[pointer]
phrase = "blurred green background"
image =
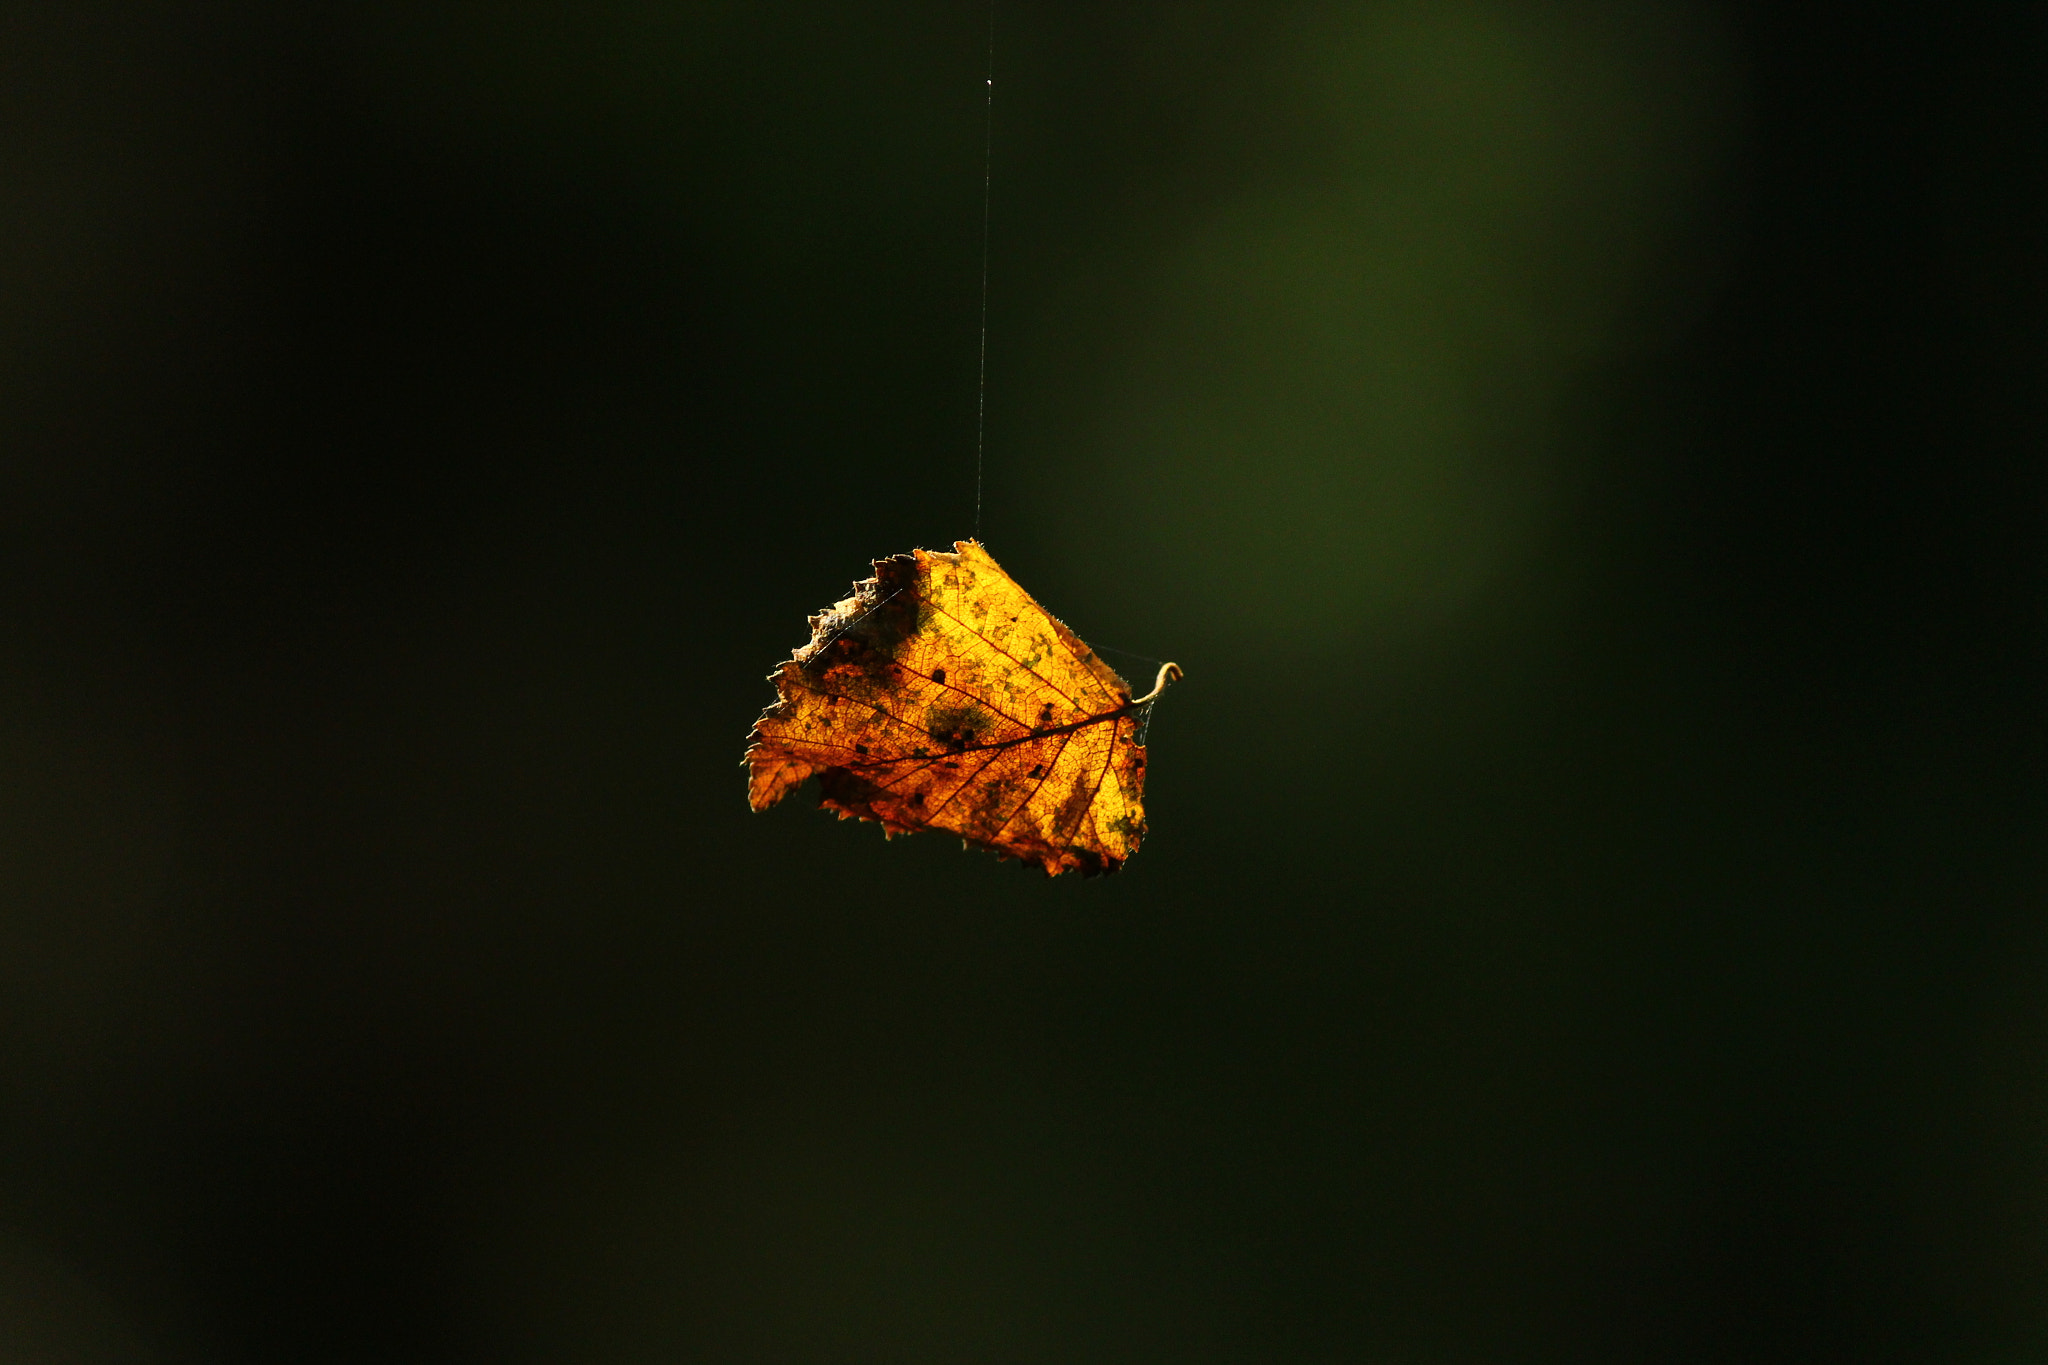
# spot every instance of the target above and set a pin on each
(1588, 457)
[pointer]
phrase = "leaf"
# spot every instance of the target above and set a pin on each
(940, 696)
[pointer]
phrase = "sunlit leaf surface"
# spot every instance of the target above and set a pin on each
(941, 696)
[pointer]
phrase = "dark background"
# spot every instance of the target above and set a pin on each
(1588, 458)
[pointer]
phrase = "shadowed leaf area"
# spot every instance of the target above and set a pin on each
(941, 696)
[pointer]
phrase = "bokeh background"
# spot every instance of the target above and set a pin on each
(1588, 457)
